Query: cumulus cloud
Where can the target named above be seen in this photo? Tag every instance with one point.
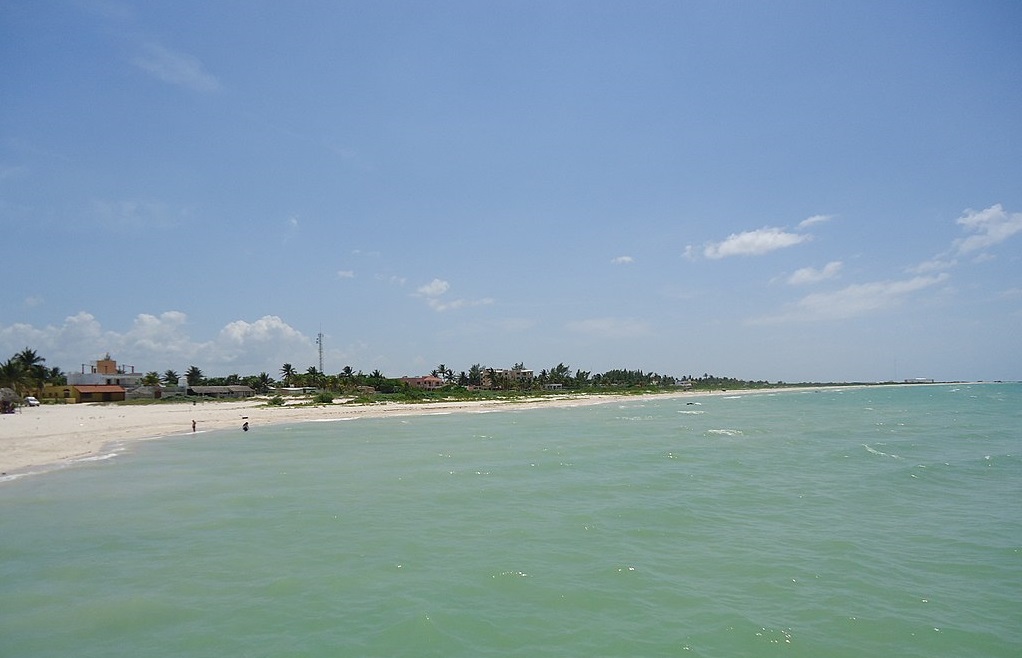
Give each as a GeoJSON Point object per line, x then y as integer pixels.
{"type": "Point", "coordinates": [610, 327]}
{"type": "Point", "coordinates": [987, 227]}
{"type": "Point", "coordinates": [622, 260]}
{"type": "Point", "coordinates": [270, 337]}
{"type": "Point", "coordinates": [750, 243]}
{"type": "Point", "coordinates": [812, 275]}
{"type": "Point", "coordinates": [161, 342]}
{"type": "Point", "coordinates": [434, 288]}
{"type": "Point", "coordinates": [433, 293]}
{"type": "Point", "coordinates": [854, 300]}
{"type": "Point", "coordinates": [176, 68]}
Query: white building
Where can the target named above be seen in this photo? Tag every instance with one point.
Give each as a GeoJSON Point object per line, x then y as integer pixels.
{"type": "Point", "coordinates": [105, 372]}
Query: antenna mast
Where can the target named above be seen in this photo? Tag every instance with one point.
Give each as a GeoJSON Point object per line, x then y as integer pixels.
{"type": "Point", "coordinates": [319, 341]}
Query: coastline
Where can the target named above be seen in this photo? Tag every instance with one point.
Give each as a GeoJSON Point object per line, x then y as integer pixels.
{"type": "Point", "coordinates": [44, 438]}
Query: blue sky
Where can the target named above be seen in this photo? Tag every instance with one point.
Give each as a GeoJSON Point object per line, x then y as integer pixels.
{"type": "Point", "coordinates": [797, 191]}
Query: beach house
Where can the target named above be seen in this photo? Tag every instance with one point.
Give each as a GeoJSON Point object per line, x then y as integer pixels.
{"type": "Point", "coordinates": [427, 383]}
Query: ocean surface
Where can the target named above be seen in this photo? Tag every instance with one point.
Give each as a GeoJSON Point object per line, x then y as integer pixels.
{"type": "Point", "coordinates": [880, 521]}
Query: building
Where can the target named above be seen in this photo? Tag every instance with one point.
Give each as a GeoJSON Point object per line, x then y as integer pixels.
{"type": "Point", "coordinates": [513, 377]}
{"type": "Point", "coordinates": [85, 393]}
{"type": "Point", "coordinates": [427, 383]}
{"type": "Point", "coordinates": [106, 372]}
{"type": "Point", "coordinates": [235, 391]}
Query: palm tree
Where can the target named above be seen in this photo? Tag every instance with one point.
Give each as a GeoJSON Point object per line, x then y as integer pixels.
{"type": "Point", "coordinates": [35, 371]}
{"type": "Point", "coordinates": [194, 376]}
{"type": "Point", "coordinates": [475, 375]}
{"type": "Point", "coordinates": [13, 375]}
{"type": "Point", "coordinates": [263, 382]}
{"type": "Point", "coordinates": [313, 377]}
{"type": "Point", "coordinates": [29, 358]}
{"type": "Point", "coordinates": [444, 373]}
{"type": "Point", "coordinates": [56, 377]}
{"type": "Point", "coordinates": [170, 378]}
{"type": "Point", "coordinates": [288, 372]}
{"type": "Point", "coordinates": [151, 379]}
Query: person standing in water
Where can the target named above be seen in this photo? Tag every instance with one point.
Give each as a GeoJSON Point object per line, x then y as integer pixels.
{"type": "Point", "coordinates": [244, 427]}
{"type": "Point", "coordinates": [193, 425]}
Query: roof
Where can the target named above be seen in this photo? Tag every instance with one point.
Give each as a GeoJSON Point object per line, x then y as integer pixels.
{"type": "Point", "coordinates": [98, 388]}
{"type": "Point", "coordinates": [221, 389]}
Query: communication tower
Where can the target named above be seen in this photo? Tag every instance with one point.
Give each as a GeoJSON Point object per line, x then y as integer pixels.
{"type": "Point", "coordinates": [319, 341]}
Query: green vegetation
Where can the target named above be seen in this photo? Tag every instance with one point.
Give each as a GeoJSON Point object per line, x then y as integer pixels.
{"type": "Point", "coordinates": [324, 397]}
{"type": "Point", "coordinates": [25, 373]}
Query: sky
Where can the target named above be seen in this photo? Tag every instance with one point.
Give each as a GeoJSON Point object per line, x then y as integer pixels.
{"type": "Point", "coordinates": [784, 191]}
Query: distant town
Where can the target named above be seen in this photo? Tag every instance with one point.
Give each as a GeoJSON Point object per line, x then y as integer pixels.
{"type": "Point", "coordinates": [105, 380]}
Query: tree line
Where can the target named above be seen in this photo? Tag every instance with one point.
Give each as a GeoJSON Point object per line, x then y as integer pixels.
{"type": "Point", "coordinates": [26, 371]}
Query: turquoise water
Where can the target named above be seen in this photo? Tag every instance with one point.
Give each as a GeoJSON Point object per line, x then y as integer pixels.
{"type": "Point", "coordinates": [860, 522]}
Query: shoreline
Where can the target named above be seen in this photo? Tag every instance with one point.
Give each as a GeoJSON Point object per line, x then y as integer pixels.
{"type": "Point", "coordinates": [40, 439]}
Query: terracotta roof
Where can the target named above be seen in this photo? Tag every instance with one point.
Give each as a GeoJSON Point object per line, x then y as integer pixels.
{"type": "Point", "coordinates": [99, 388]}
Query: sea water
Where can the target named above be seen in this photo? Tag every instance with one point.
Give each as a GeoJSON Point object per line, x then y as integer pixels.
{"type": "Point", "coordinates": [878, 521]}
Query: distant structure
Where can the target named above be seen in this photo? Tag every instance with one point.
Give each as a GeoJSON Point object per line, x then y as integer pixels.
{"type": "Point", "coordinates": [99, 381]}
{"type": "Point", "coordinates": [106, 372]}
{"type": "Point", "coordinates": [319, 341]}
{"type": "Point", "coordinates": [427, 383]}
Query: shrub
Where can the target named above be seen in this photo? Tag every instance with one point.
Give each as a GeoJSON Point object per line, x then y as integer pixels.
{"type": "Point", "coordinates": [276, 401]}
{"type": "Point", "coordinates": [324, 397]}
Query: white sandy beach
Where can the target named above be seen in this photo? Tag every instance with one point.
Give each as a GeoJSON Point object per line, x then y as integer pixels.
{"type": "Point", "coordinates": [51, 435]}
{"type": "Point", "coordinates": [54, 434]}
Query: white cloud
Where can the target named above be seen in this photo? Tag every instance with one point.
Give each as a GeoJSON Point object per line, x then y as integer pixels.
{"type": "Point", "coordinates": [751, 243]}
{"type": "Point", "coordinates": [433, 293]}
{"type": "Point", "coordinates": [274, 340]}
{"type": "Point", "coordinates": [176, 68]}
{"type": "Point", "coordinates": [815, 219]}
{"type": "Point", "coordinates": [440, 305]}
{"type": "Point", "coordinates": [1011, 293]}
{"type": "Point", "coordinates": [935, 264]}
{"type": "Point", "coordinates": [854, 300]}
{"type": "Point", "coordinates": [266, 328]}
{"type": "Point", "coordinates": [610, 327]}
{"type": "Point", "coordinates": [812, 275]}
{"type": "Point", "coordinates": [434, 288]}
{"type": "Point", "coordinates": [622, 260]}
{"type": "Point", "coordinates": [161, 342]}
{"type": "Point", "coordinates": [345, 274]}
{"type": "Point", "coordinates": [988, 227]}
